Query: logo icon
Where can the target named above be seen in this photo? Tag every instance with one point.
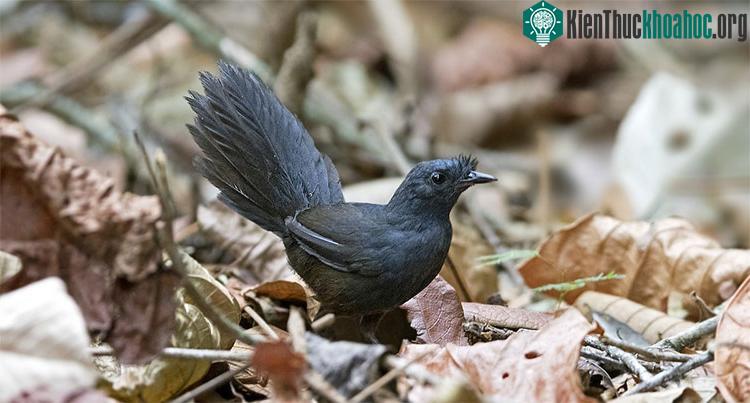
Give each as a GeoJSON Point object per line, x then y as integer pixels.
{"type": "Point", "coordinates": [542, 23]}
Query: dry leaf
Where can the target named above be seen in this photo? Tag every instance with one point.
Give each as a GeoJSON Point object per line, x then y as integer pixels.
{"type": "Point", "coordinates": [653, 325]}
{"type": "Point", "coordinates": [488, 51]}
{"type": "Point", "coordinates": [531, 366]}
{"type": "Point", "coordinates": [436, 314]}
{"type": "Point", "coordinates": [163, 378]}
{"type": "Point", "coordinates": [290, 291]}
{"type": "Point", "coordinates": [504, 317]}
{"type": "Point", "coordinates": [215, 294]}
{"type": "Point", "coordinates": [65, 220]}
{"type": "Point", "coordinates": [282, 365]}
{"type": "Point", "coordinates": [655, 258]}
{"type": "Point", "coordinates": [43, 342]}
{"type": "Point", "coordinates": [249, 378]}
{"type": "Point", "coordinates": [732, 364]}
{"type": "Point", "coordinates": [260, 253]}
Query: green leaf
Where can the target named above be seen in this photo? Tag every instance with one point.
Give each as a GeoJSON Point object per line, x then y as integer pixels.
{"type": "Point", "coordinates": [578, 283]}
{"type": "Point", "coordinates": [507, 256]}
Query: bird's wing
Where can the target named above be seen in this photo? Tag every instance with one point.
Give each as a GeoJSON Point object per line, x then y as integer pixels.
{"type": "Point", "coordinates": [344, 237]}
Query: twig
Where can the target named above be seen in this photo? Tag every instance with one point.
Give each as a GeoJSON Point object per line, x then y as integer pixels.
{"type": "Point", "coordinates": [601, 357]}
{"type": "Point", "coordinates": [400, 40]}
{"type": "Point", "coordinates": [688, 336]}
{"type": "Point", "coordinates": [320, 385]}
{"type": "Point", "coordinates": [188, 353]}
{"type": "Point", "coordinates": [649, 354]}
{"type": "Point", "coordinates": [99, 130]}
{"type": "Point", "coordinates": [210, 385]}
{"type": "Point", "coordinates": [209, 37]}
{"type": "Point", "coordinates": [459, 280]}
{"type": "Point", "coordinates": [166, 237]}
{"type": "Point", "coordinates": [295, 326]}
{"type": "Point", "coordinates": [631, 362]}
{"type": "Point", "coordinates": [672, 374]}
{"type": "Point", "coordinates": [82, 71]}
{"type": "Point", "coordinates": [414, 370]}
{"type": "Point", "coordinates": [262, 323]}
{"type": "Point", "coordinates": [383, 380]}
{"type": "Point", "coordinates": [397, 156]}
{"type": "Point", "coordinates": [207, 355]}
{"type": "Point", "coordinates": [705, 310]}
{"type": "Point", "coordinates": [296, 69]}
{"type": "Point", "coordinates": [323, 322]}
{"type": "Point", "coordinates": [595, 343]}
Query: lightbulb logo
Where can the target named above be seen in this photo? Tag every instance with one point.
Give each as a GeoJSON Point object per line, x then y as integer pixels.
{"type": "Point", "coordinates": [542, 23]}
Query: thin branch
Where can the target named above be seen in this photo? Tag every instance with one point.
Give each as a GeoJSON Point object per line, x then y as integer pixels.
{"type": "Point", "coordinates": [209, 37]}
{"type": "Point", "coordinates": [322, 387]}
{"type": "Point", "coordinates": [646, 353]}
{"type": "Point", "coordinates": [323, 322]}
{"type": "Point", "coordinates": [672, 374]}
{"type": "Point", "coordinates": [82, 71]}
{"type": "Point", "coordinates": [459, 280]}
{"type": "Point", "coordinates": [385, 379]}
{"type": "Point", "coordinates": [416, 371]}
{"type": "Point", "coordinates": [210, 385]}
{"type": "Point", "coordinates": [187, 353]}
{"type": "Point", "coordinates": [631, 362]}
{"type": "Point", "coordinates": [688, 336]}
{"type": "Point", "coordinates": [166, 237]}
{"type": "Point", "coordinates": [262, 323]}
{"type": "Point", "coordinates": [296, 69]}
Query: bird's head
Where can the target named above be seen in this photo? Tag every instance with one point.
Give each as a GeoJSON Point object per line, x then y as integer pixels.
{"type": "Point", "coordinates": [436, 184]}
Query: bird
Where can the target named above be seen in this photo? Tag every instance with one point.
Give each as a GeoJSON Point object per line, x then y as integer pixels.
{"type": "Point", "coordinates": [360, 259]}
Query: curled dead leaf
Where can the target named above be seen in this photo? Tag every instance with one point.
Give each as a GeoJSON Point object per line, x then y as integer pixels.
{"type": "Point", "coordinates": [504, 317]}
{"type": "Point", "coordinates": [65, 220]}
{"type": "Point", "coordinates": [295, 292]}
{"type": "Point", "coordinates": [732, 355]}
{"type": "Point", "coordinates": [652, 324]}
{"type": "Point", "coordinates": [655, 258]}
{"type": "Point", "coordinates": [521, 366]}
{"type": "Point", "coordinates": [436, 314]}
{"type": "Point", "coordinates": [283, 366]}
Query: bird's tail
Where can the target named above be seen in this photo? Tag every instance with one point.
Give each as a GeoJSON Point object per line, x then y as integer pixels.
{"type": "Point", "coordinates": [256, 152]}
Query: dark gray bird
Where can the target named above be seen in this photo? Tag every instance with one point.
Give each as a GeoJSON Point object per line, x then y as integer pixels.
{"type": "Point", "coordinates": [358, 258]}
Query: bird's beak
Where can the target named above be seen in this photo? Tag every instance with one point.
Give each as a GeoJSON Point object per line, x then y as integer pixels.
{"type": "Point", "coordinates": [476, 177]}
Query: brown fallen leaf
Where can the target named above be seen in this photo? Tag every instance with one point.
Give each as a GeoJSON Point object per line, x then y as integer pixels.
{"type": "Point", "coordinates": [732, 362]}
{"type": "Point", "coordinates": [258, 252]}
{"type": "Point", "coordinates": [65, 220]}
{"type": "Point", "coordinates": [508, 318]}
{"type": "Point", "coordinates": [531, 366]}
{"type": "Point", "coordinates": [488, 51]}
{"type": "Point", "coordinates": [436, 314]}
{"type": "Point", "coordinates": [652, 324]}
{"type": "Point", "coordinates": [283, 366]}
{"type": "Point", "coordinates": [290, 291]}
{"type": "Point", "coordinates": [655, 258]}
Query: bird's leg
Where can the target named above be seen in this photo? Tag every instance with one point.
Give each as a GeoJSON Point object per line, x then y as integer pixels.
{"type": "Point", "coordinates": [368, 324]}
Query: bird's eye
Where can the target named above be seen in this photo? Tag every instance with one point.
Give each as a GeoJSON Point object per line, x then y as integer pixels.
{"type": "Point", "coordinates": [437, 177]}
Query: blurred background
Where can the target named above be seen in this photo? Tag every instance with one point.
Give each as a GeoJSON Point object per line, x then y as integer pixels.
{"type": "Point", "coordinates": [639, 129]}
